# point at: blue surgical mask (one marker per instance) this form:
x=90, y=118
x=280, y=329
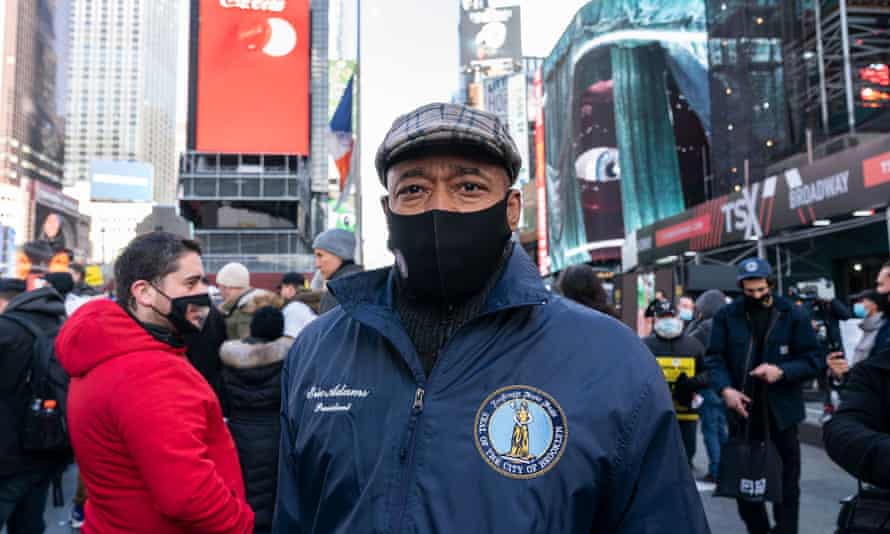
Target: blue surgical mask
x=859, y=310
x=669, y=327
x=686, y=315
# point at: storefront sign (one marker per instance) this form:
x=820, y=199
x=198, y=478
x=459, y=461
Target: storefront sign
x=834, y=187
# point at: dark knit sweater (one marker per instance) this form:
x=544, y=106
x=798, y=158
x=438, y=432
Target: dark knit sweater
x=431, y=325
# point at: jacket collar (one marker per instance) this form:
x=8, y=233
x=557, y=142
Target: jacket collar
x=520, y=285
x=780, y=304
x=368, y=297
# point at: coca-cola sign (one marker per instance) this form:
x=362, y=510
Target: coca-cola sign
x=275, y=6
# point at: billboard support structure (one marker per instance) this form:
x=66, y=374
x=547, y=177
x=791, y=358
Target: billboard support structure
x=848, y=69
x=888, y=226
x=820, y=54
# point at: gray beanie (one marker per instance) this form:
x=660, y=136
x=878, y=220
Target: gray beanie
x=340, y=243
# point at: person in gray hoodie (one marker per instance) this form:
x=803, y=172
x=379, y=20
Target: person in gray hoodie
x=868, y=308
x=712, y=411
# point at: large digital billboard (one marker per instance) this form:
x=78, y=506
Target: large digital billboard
x=56, y=219
x=857, y=179
x=490, y=37
x=643, y=105
x=253, y=77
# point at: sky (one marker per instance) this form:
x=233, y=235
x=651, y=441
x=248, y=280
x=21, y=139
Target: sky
x=410, y=57
x=550, y=19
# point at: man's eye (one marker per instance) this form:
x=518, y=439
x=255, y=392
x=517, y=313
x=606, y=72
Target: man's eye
x=411, y=190
x=470, y=187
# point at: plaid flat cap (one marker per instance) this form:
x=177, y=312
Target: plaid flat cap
x=444, y=125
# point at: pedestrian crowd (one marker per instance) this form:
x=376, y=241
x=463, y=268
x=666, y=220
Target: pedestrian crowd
x=451, y=392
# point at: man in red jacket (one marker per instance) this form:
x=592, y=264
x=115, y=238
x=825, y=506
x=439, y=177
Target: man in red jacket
x=147, y=430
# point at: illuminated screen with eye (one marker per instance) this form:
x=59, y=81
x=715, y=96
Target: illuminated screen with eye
x=598, y=165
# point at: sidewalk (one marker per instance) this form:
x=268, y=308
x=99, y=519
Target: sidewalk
x=57, y=518
x=811, y=428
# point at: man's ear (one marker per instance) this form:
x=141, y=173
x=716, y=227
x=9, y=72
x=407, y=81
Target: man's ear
x=384, y=203
x=142, y=292
x=514, y=208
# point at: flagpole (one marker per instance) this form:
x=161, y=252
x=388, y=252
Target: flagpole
x=357, y=146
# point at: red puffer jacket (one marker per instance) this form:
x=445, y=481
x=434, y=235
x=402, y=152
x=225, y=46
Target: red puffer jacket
x=147, y=431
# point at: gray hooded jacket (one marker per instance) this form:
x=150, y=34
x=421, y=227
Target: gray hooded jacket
x=706, y=307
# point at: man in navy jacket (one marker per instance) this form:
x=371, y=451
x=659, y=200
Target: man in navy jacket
x=762, y=347
x=453, y=392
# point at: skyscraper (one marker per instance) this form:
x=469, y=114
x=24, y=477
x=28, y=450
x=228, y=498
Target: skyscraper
x=122, y=103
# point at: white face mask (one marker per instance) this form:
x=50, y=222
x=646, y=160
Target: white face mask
x=669, y=327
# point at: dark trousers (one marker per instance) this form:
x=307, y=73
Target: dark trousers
x=689, y=433
x=80, y=496
x=787, y=513
x=23, y=501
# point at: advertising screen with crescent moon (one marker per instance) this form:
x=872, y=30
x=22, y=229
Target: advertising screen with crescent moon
x=253, y=77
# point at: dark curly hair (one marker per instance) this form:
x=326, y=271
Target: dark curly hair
x=580, y=283
x=150, y=257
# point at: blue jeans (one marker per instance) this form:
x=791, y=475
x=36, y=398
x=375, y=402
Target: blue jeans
x=23, y=501
x=713, y=427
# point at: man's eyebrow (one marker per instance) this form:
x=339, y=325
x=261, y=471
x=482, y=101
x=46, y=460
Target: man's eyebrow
x=416, y=172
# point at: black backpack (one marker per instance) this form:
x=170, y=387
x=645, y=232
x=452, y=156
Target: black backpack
x=44, y=428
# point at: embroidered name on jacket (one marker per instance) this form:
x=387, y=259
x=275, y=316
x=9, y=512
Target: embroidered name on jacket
x=335, y=399
x=521, y=431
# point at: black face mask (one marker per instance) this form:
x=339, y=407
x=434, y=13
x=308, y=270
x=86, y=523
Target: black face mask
x=180, y=308
x=446, y=257
x=764, y=301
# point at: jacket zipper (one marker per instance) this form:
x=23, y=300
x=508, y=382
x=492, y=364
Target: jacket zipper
x=769, y=331
x=406, y=455
x=748, y=357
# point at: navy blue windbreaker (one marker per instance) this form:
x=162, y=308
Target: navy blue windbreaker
x=539, y=416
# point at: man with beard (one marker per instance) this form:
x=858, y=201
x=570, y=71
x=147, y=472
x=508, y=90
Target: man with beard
x=762, y=347
x=147, y=430
x=453, y=392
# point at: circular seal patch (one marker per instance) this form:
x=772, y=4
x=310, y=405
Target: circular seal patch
x=751, y=266
x=521, y=431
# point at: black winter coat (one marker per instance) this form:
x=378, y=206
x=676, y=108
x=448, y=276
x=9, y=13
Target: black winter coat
x=791, y=345
x=202, y=350
x=252, y=377
x=858, y=436
x=46, y=308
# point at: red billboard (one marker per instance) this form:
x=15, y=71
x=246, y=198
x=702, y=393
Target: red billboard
x=253, y=77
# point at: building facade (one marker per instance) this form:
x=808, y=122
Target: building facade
x=122, y=103
x=33, y=78
x=254, y=194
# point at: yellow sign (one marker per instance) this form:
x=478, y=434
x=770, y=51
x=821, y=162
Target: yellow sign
x=93, y=276
x=672, y=367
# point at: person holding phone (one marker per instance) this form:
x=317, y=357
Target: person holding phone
x=868, y=308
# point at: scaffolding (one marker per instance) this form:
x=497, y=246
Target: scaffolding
x=268, y=185
x=831, y=45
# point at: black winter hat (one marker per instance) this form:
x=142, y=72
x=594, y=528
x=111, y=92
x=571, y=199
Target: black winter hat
x=61, y=282
x=267, y=324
